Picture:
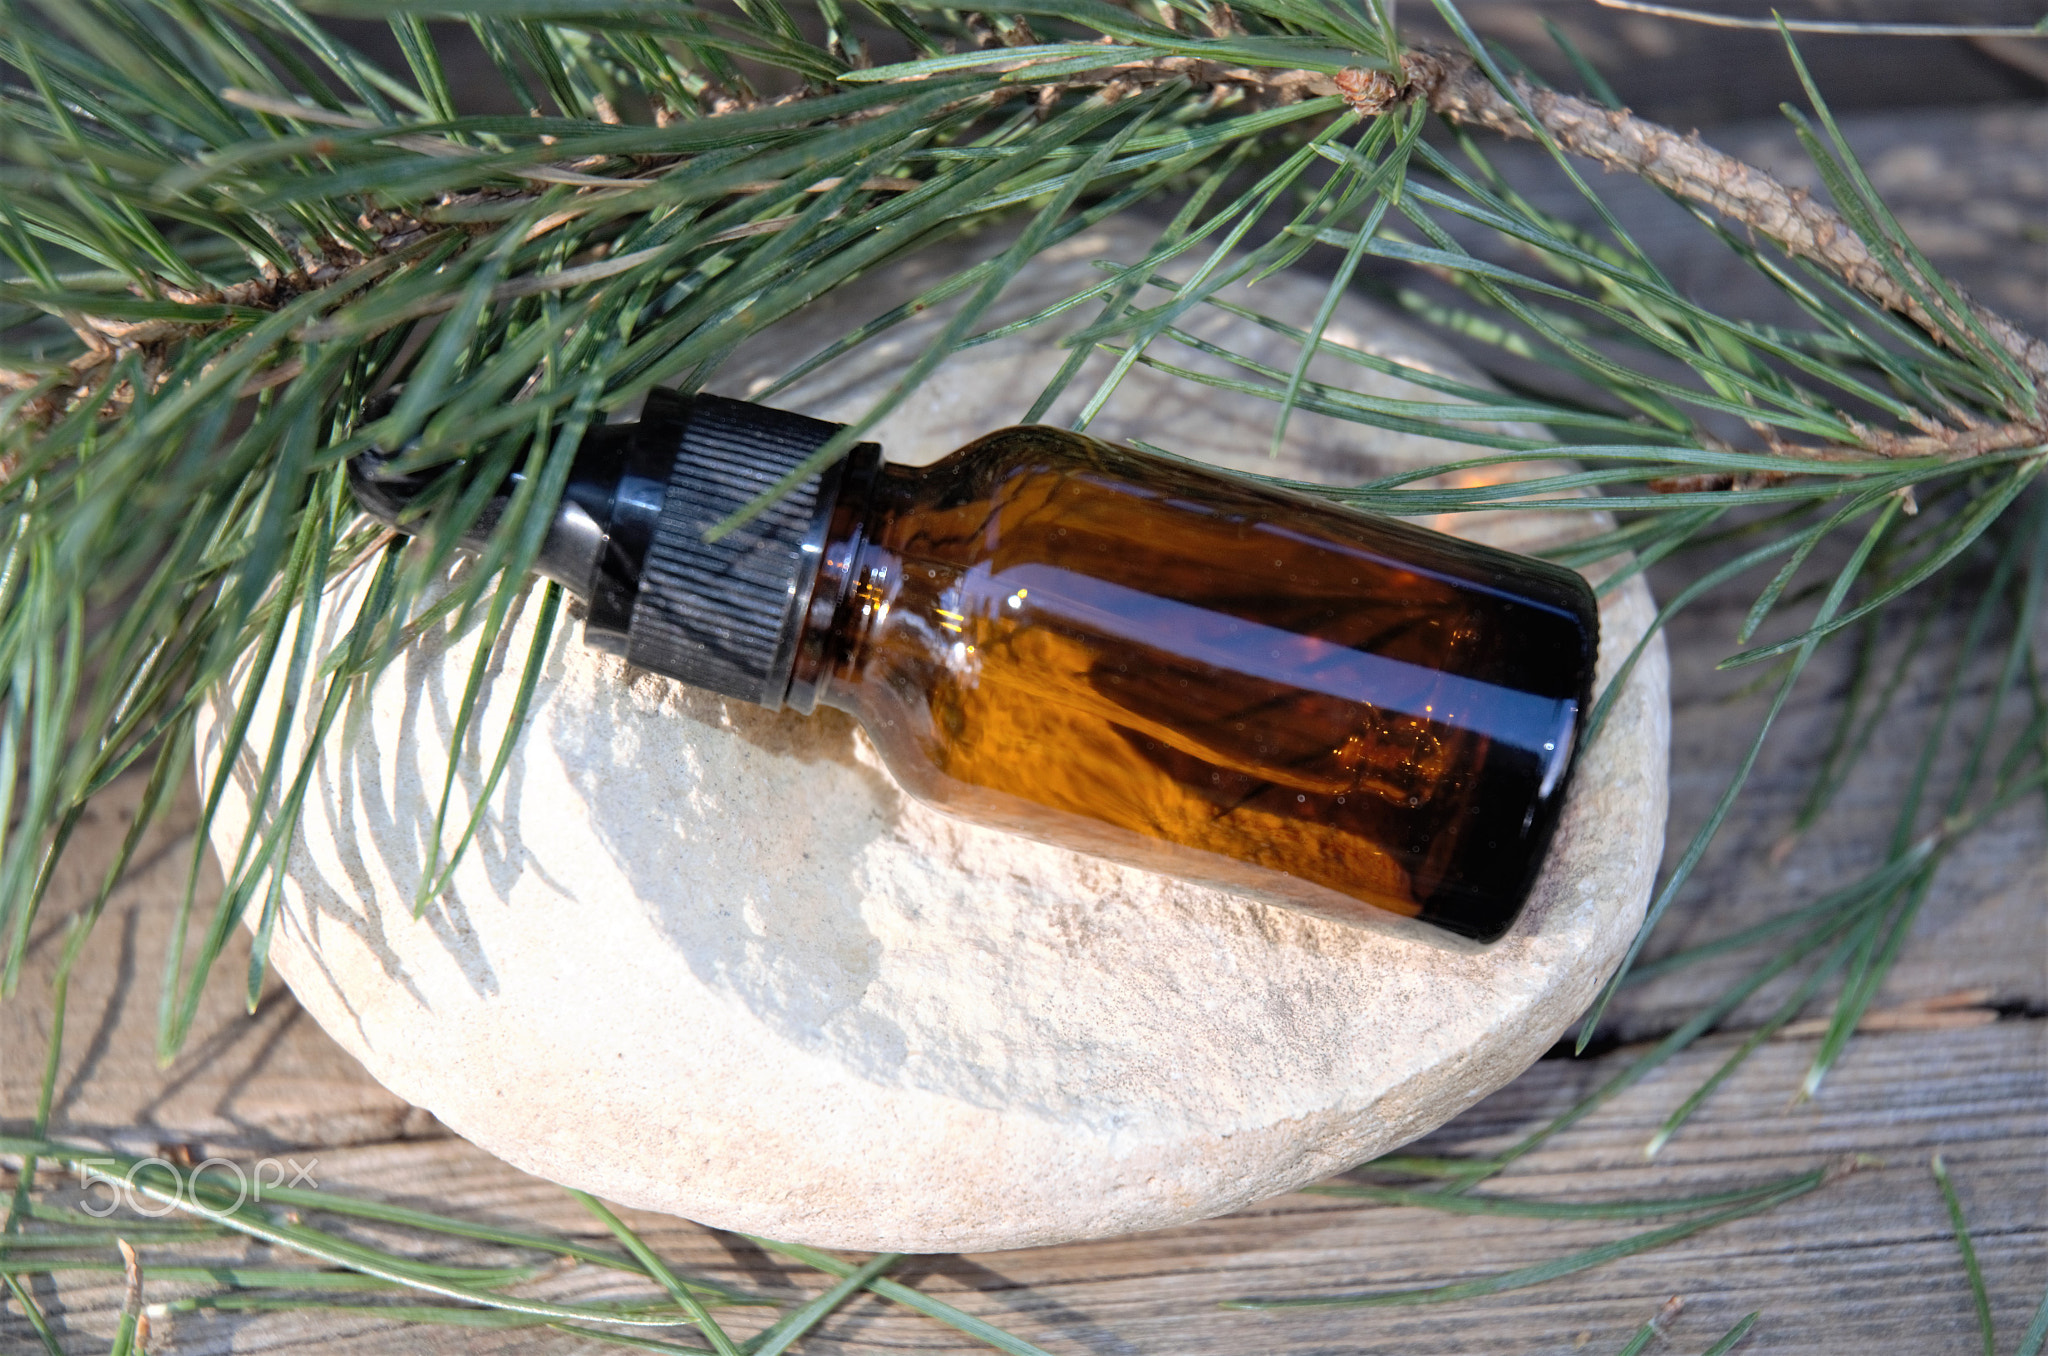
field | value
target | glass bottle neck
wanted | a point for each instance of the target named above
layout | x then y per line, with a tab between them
831	624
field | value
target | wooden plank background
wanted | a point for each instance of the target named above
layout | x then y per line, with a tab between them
1865	1265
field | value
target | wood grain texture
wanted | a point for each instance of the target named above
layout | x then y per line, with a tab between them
1866	1266
1983	926
271	1080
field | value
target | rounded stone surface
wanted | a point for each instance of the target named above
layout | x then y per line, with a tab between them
707	959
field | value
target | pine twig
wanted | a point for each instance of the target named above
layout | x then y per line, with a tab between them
1456	88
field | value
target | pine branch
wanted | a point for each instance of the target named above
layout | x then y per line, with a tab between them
1450	82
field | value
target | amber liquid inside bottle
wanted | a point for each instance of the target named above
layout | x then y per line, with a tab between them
1199	675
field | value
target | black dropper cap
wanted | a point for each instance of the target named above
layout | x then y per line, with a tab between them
628	537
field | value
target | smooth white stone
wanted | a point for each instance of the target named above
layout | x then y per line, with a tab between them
709	960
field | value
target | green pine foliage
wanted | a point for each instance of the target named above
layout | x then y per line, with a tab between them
226	232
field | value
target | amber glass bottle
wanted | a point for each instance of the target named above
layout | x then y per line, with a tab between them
1113	651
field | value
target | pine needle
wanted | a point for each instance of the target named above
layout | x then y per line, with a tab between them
1969	1252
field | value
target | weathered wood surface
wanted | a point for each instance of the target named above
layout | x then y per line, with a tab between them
1984	925
1865	1265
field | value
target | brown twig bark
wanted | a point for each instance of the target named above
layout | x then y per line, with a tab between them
1687	166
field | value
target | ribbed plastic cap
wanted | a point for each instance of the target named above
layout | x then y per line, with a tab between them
724	615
